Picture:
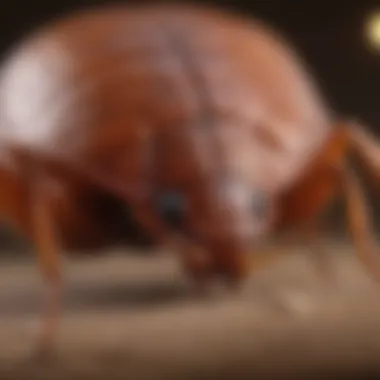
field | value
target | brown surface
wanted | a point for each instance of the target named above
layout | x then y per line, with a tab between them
132	318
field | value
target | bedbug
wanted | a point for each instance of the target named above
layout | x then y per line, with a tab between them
174	112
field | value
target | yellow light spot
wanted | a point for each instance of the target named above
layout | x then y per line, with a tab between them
373	30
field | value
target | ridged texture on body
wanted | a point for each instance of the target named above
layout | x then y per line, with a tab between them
84	88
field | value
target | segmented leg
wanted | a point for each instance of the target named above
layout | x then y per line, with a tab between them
46	242
197	264
359	222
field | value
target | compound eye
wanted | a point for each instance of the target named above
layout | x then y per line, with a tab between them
172	207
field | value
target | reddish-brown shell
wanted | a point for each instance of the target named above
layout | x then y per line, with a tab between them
81	87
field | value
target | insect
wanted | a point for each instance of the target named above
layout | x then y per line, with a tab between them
204	125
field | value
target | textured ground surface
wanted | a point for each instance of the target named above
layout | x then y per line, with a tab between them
132	318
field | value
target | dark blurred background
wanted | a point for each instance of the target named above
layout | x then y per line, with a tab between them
330	35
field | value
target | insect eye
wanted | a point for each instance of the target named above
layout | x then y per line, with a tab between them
260	205
172	207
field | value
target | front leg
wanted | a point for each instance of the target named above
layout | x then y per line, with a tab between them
46	242
198	265
359	222
195	260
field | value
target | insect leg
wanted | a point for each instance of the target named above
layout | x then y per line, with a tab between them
359	222
47	247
